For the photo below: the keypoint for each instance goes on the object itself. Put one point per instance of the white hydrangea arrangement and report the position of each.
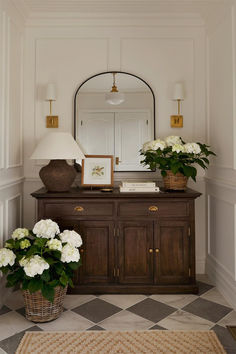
(41, 259)
(173, 154)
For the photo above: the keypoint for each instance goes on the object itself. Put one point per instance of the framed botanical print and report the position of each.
(97, 171)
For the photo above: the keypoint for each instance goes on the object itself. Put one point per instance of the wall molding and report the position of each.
(16, 196)
(11, 183)
(3, 93)
(20, 163)
(1, 223)
(222, 278)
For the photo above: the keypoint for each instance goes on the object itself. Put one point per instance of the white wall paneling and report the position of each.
(2, 88)
(13, 213)
(1, 223)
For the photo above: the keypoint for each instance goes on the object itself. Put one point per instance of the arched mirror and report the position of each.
(114, 115)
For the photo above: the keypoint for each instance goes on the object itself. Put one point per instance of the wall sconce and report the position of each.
(176, 121)
(51, 121)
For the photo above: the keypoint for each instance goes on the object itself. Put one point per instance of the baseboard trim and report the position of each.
(222, 279)
(200, 266)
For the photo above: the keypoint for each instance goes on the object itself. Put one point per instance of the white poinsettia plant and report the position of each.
(174, 154)
(41, 259)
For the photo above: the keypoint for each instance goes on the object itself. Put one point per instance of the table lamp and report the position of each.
(58, 147)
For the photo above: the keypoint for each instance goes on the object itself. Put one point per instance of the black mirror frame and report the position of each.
(111, 72)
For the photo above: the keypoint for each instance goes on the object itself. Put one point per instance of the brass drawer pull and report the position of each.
(153, 208)
(79, 208)
(157, 250)
(82, 250)
(150, 250)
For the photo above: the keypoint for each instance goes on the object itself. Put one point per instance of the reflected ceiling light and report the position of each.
(114, 96)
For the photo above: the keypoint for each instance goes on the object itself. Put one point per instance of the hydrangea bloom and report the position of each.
(192, 148)
(46, 229)
(20, 233)
(54, 244)
(71, 237)
(69, 254)
(8, 245)
(35, 265)
(172, 140)
(7, 257)
(178, 148)
(23, 261)
(25, 244)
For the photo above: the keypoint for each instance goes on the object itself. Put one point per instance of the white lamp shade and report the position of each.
(178, 93)
(115, 98)
(57, 146)
(51, 92)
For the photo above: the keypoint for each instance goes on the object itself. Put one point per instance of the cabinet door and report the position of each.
(171, 252)
(97, 252)
(135, 252)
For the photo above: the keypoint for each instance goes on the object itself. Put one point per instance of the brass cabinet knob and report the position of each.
(150, 250)
(79, 208)
(153, 208)
(82, 250)
(157, 250)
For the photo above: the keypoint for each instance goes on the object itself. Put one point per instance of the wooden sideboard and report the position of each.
(132, 242)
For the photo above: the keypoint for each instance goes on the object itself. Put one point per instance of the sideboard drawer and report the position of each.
(152, 209)
(57, 209)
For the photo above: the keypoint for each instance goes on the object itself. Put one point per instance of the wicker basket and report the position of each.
(39, 309)
(175, 182)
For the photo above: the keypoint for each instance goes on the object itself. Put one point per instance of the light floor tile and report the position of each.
(73, 301)
(228, 320)
(123, 301)
(177, 301)
(204, 278)
(11, 323)
(215, 296)
(124, 321)
(68, 321)
(15, 300)
(2, 351)
(181, 320)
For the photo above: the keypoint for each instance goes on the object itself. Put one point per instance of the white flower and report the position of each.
(192, 148)
(172, 140)
(7, 257)
(54, 244)
(20, 233)
(35, 265)
(23, 261)
(154, 145)
(46, 229)
(69, 254)
(71, 237)
(178, 148)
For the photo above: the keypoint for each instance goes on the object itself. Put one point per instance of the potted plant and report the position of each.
(175, 159)
(41, 262)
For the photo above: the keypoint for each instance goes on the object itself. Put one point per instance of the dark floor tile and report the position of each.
(209, 310)
(21, 311)
(96, 310)
(4, 310)
(96, 328)
(203, 287)
(225, 338)
(151, 310)
(158, 328)
(10, 344)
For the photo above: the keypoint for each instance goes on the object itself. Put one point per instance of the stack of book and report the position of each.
(137, 187)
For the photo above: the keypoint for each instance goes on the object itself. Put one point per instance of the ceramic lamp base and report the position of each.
(57, 176)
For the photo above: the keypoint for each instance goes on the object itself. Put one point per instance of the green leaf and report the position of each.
(48, 292)
(163, 173)
(54, 283)
(5, 270)
(73, 265)
(59, 268)
(40, 242)
(35, 285)
(25, 284)
(70, 283)
(63, 278)
(45, 275)
(32, 251)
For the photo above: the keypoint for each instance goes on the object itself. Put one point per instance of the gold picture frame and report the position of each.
(97, 171)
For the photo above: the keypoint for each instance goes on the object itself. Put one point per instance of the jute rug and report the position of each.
(135, 342)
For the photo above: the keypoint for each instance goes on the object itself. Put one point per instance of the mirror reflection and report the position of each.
(114, 115)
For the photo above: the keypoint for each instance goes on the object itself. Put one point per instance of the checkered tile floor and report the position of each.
(207, 310)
